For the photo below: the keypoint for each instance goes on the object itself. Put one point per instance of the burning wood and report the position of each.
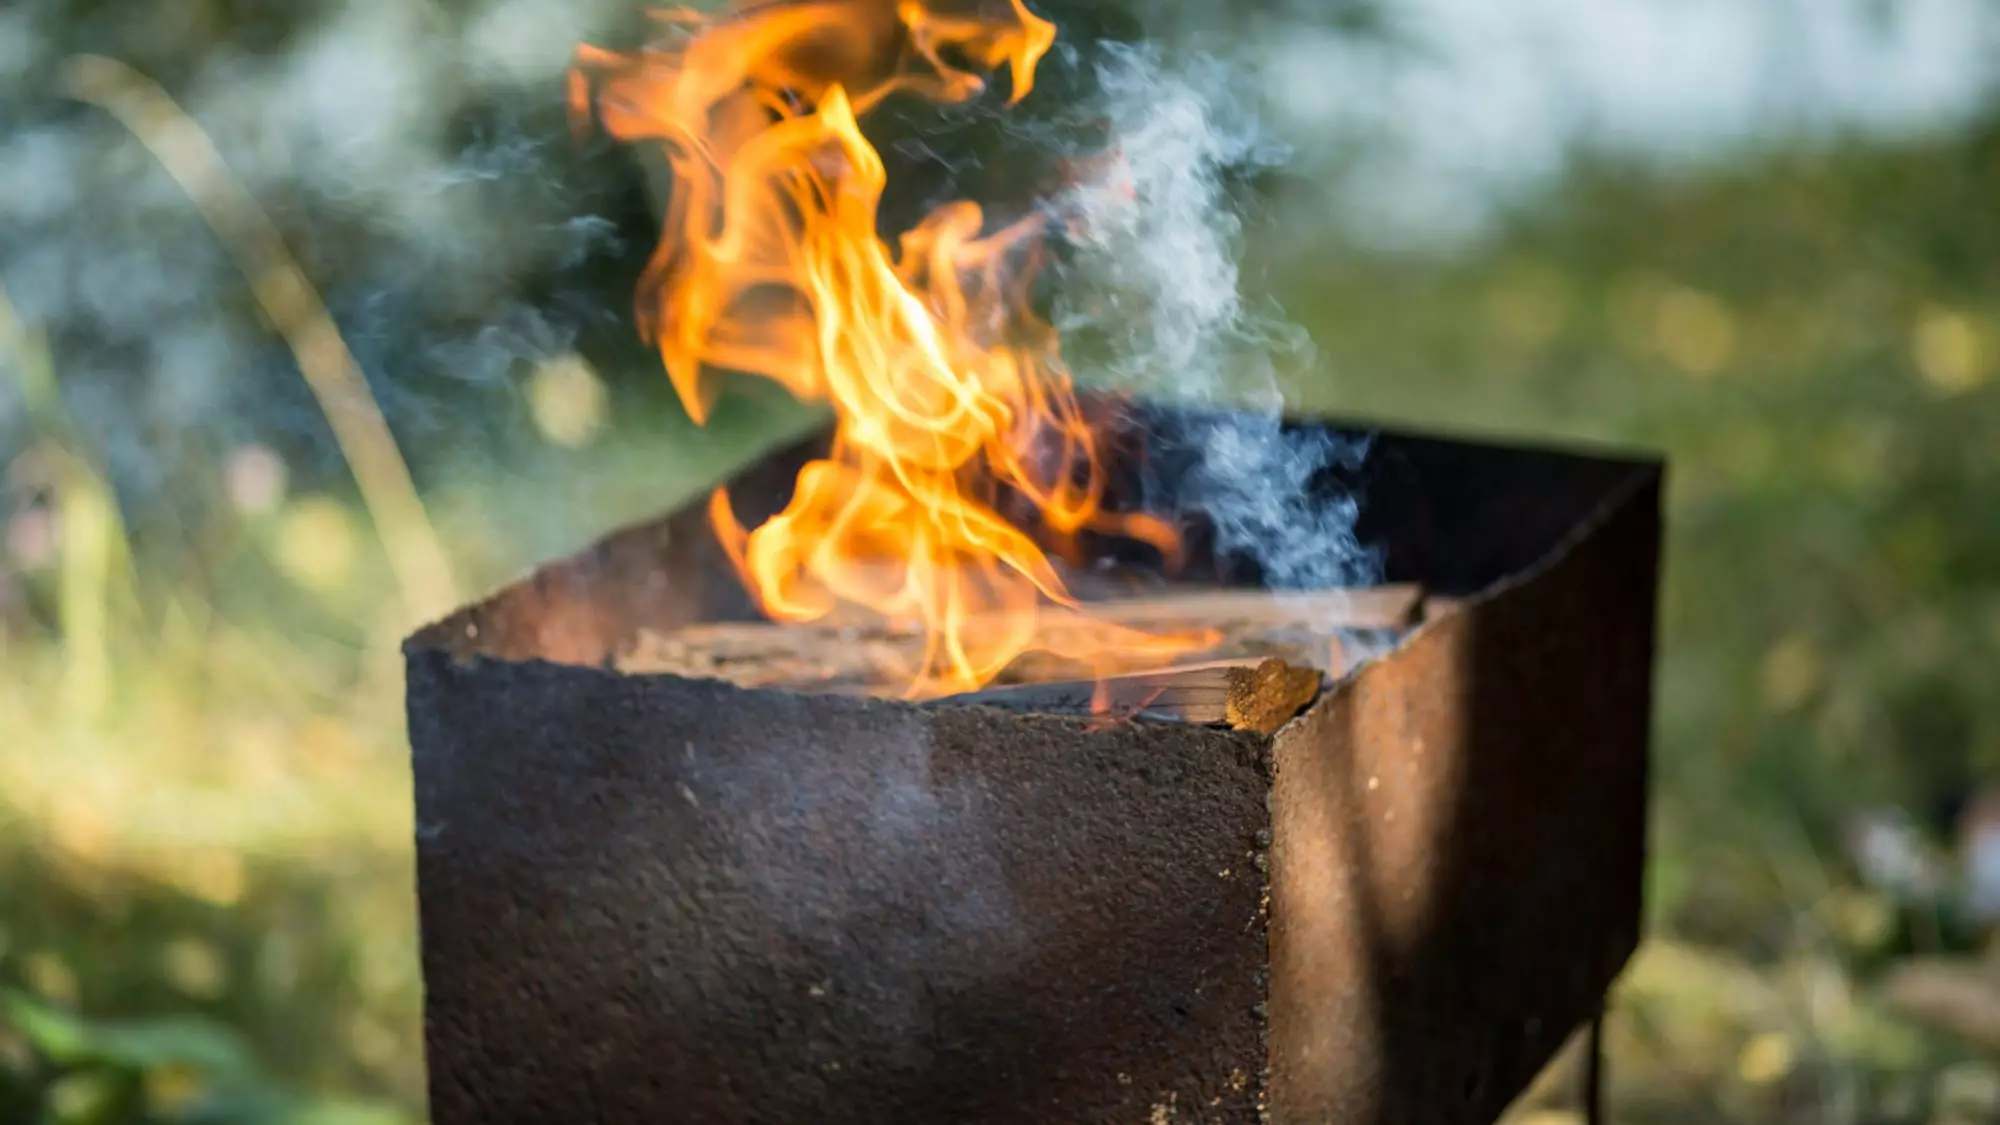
(848, 653)
(946, 389)
(1248, 694)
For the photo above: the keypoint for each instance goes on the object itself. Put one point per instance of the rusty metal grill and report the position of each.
(650, 898)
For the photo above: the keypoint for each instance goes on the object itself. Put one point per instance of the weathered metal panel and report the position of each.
(656, 899)
(1460, 842)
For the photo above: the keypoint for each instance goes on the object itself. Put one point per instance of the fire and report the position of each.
(947, 391)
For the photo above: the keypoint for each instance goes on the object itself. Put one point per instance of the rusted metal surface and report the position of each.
(647, 898)
(1460, 843)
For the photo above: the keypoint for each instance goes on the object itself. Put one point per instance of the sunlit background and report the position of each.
(1764, 238)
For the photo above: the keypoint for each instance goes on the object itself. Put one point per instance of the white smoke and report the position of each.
(1158, 277)
(1158, 237)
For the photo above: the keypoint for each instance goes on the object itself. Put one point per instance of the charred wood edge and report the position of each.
(1251, 694)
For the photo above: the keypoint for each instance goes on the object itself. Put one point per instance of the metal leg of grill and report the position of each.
(1593, 1073)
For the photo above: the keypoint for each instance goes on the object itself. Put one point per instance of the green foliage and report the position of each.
(1812, 338)
(170, 1071)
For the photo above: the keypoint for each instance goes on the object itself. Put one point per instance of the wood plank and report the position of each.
(1372, 607)
(1368, 607)
(851, 653)
(1250, 694)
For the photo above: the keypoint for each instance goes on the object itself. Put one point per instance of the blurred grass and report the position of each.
(204, 806)
(295, 310)
(216, 830)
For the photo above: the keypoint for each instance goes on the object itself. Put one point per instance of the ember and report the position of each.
(947, 389)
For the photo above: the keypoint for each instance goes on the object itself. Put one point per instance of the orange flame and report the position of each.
(945, 389)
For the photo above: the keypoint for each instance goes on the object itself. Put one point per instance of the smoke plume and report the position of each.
(1156, 286)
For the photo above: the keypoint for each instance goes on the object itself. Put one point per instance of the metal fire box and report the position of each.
(648, 899)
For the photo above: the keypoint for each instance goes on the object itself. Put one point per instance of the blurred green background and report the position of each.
(1764, 239)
